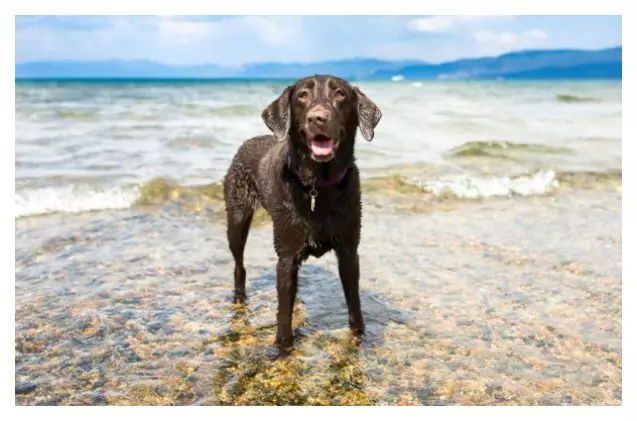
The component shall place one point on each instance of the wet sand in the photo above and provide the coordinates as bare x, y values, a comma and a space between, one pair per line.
513, 301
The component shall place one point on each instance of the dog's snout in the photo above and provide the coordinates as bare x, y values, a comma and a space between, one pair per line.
318, 115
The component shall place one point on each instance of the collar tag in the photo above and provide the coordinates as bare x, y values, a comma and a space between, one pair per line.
313, 195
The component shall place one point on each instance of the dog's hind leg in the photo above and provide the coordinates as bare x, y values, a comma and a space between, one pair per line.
240, 198
239, 221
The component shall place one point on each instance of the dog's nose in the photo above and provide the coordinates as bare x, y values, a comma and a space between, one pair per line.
318, 115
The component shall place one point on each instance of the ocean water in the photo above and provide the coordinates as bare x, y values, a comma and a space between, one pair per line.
90, 146
491, 269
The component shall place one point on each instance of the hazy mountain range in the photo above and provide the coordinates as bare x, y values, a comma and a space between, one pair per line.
531, 64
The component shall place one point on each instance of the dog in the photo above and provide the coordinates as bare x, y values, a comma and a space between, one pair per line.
305, 176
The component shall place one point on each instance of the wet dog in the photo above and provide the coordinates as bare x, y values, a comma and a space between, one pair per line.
306, 178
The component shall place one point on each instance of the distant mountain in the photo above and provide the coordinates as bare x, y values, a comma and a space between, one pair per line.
536, 64
349, 69
612, 70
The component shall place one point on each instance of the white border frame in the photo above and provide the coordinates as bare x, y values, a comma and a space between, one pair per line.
326, 7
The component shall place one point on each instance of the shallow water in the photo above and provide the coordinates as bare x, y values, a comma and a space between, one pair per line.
509, 302
490, 265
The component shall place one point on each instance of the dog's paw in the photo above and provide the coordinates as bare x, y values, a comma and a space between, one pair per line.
358, 332
285, 345
239, 297
357, 327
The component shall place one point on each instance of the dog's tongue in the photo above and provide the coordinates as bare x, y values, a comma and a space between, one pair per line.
322, 147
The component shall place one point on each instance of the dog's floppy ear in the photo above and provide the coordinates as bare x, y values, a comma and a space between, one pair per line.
368, 115
277, 115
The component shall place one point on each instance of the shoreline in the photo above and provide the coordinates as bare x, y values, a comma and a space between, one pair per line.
403, 185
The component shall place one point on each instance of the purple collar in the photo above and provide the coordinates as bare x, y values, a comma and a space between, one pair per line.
332, 182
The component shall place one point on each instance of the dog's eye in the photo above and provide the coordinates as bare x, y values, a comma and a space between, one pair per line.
339, 94
303, 95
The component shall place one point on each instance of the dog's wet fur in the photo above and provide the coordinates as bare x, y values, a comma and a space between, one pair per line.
306, 178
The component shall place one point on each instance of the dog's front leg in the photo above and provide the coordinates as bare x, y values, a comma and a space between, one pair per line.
287, 271
349, 272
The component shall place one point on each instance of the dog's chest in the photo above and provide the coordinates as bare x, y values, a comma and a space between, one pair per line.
322, 234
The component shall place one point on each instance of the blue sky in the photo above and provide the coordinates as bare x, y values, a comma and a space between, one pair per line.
235, 40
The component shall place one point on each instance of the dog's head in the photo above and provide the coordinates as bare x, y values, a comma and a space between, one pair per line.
320, 114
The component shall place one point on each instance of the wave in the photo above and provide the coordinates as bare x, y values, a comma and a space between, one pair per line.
189, 142
502, 149
78, 114
539, 183
590, 179
72, 199
162, 192
572, 98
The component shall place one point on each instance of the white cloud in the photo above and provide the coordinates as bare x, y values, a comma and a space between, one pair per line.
537, 34
501, 38
443, 23
506, 38
174, 30
270, 31
187, 30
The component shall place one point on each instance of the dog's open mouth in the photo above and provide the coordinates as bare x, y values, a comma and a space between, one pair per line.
321, 145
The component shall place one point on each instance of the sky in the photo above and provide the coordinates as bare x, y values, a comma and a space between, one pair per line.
236, 40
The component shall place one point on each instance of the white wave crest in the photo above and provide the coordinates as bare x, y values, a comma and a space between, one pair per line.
72, 199
476, 188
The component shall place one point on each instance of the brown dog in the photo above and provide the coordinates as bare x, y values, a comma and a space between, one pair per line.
307, 180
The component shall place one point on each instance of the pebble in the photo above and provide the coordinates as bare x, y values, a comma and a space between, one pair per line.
24, 387
153, 328
181, 352
132, 300
132, 325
